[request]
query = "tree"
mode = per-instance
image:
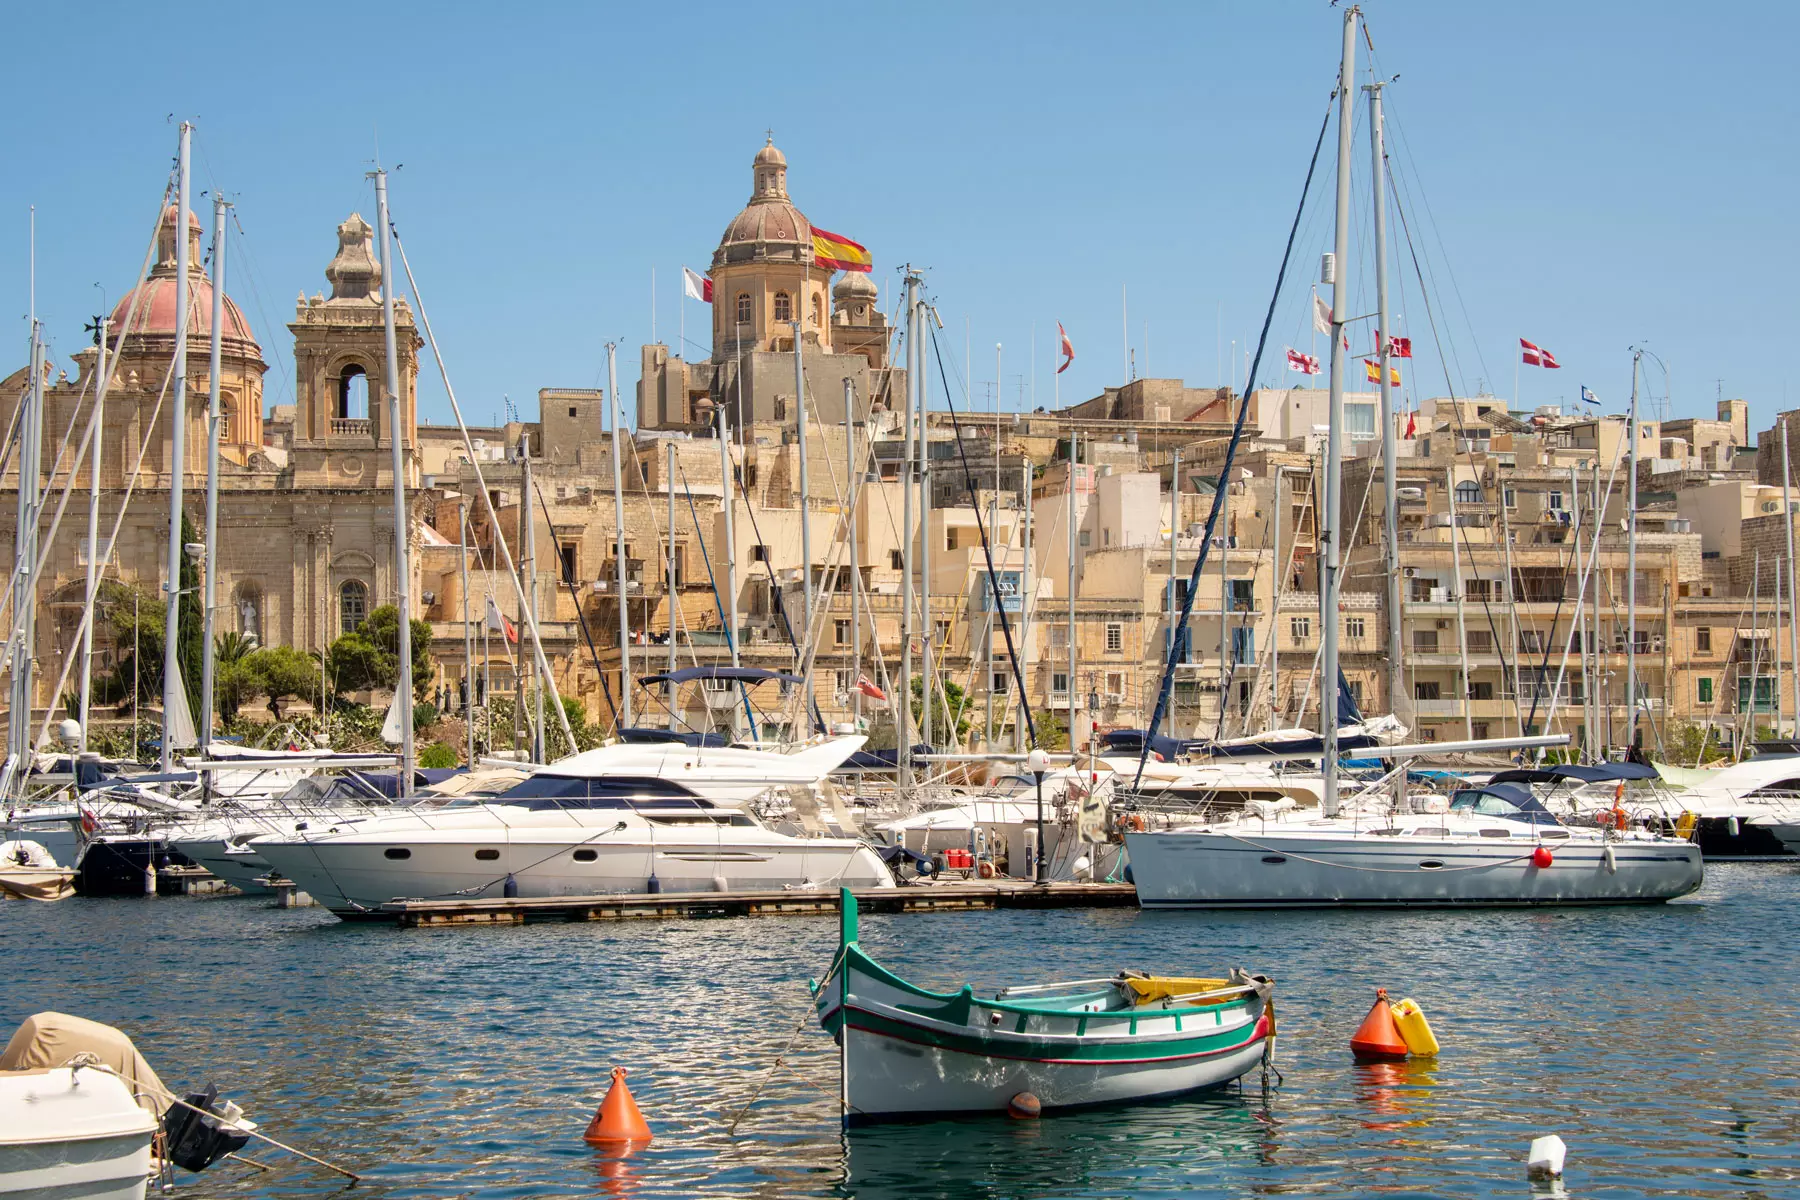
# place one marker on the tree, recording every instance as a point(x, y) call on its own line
point(949, 700)
point(134, 616)
point(283, 672)
point(358, 664)
point(383, 629)
point(236, 680)
point(439, 756)
point(190, 630)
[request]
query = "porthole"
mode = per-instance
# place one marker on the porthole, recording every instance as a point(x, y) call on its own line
point(397, 852)
point(487, 855)
point(1274, 860)
point(1430, 864)
point(585, 856)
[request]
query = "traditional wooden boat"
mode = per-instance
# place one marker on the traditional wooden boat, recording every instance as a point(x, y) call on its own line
point(908, 1052)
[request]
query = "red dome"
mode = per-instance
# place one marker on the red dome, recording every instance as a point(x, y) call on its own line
point(156, 311)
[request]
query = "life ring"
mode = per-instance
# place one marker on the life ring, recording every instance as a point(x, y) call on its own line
point(985, 869)
point(1613, 818)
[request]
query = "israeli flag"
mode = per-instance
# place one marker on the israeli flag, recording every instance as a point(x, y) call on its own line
point(1588, 397)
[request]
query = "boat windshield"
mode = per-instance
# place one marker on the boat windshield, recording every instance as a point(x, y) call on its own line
point(610, 791)
point(1502, 801)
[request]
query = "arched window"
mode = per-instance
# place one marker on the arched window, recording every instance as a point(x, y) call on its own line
point(743, 317)
point(1468, 492)
point(248, 602)
point(353, 605)
point(817, 311)
point(353, 394)
point(784, 307)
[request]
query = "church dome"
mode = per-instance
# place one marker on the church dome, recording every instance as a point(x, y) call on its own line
point(770, 225)
point(855, 285)
point(155, 296)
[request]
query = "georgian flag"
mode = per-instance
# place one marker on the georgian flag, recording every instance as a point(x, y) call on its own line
point(1065, 347)
point(698, 286)
point(1306, 364)
point(1537, 356)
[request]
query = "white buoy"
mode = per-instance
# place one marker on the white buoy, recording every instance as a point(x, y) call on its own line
point(1545, 1158)
point(1612, 861)
point(1082, 867)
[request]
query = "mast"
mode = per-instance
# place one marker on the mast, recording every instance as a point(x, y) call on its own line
point(208, 656)
point(1787, 508)
point(729, 508)
point(390, 382)
point(1027, 600)
point(903, 702)
point(1224, 603)
point(669, 486)
point(850, 491)
point(468, 696)
point(24, 585)
point(1334, 465)
point(612, 409)
point(177, 461)
point(94, 570)
point(1278, 572)
point(1631, 697)
point(1389, 449)
point(806, 559)
point(1462, 626)
point(528, 592)
point(1074, 453)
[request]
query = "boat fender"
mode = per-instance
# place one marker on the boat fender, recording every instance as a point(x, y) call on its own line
point(1414, 1029)
point(1541, 857)
point(1025, 1107)
point(653, 885)
point(510, 889)
point(1731, 826)
point(1377, 1039)
point(1684, 825)
point(1611, 860)
point(1544, 1160)
point(985, 869)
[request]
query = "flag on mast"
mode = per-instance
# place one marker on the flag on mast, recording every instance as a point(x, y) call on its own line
point(1373, 371)
point(1398, 347)
point(1412, 424)
point(1066, 348)
point(1306, 364)
point(1321, 314)
point(836, 252)
point(497, 622)
point(867, 687)
point(699, 287)
point(1587, 395)
point(1536, 356)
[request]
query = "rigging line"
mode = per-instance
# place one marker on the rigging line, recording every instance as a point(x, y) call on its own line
point(537, 645)
point(1165, 686)
point(580, 616)
point(245, 263)
point(718, 600)
point(987, 548)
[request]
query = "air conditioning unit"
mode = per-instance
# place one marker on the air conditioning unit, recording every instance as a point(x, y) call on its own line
point(1113, 697)
point(1410, 493)
point(1443, 623)
point(1656, 644)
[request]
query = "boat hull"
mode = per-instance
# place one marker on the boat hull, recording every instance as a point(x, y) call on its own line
point(1251, 870)
point(120, 867)
point(73, 1135)
point(240, 866)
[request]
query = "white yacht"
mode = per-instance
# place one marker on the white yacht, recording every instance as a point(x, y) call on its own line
point(1495, 846)
point(1735, 809)
point(623, 818)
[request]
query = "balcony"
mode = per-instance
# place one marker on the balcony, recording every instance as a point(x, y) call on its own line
point(352, 427)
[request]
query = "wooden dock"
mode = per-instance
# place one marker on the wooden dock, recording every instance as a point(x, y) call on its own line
point(951, 897)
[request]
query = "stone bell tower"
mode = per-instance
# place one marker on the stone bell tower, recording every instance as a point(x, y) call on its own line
point(339, 358)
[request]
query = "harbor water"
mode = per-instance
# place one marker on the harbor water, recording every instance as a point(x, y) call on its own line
point(1661, 1043)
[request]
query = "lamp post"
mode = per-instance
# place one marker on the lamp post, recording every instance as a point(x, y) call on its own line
point(1037, 762)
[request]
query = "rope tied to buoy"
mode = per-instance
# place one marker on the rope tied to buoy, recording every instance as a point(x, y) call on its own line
point(731, 1129)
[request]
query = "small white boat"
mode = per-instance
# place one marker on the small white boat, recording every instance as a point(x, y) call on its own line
point(30, 872)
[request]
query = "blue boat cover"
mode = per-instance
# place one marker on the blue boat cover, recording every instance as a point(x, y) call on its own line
point(644, 736)
point(1599, 773)
point(735, 674)
point(879, 760)
point(1517, 795)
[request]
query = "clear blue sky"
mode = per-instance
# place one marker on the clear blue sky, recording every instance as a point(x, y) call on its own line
point(1596, 174)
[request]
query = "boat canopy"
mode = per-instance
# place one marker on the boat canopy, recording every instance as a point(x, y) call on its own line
point(880, 760)
point(1504, 800)
point(642, 736)
point(51, 1039)
point(733, 674)
point(1131, 741)
point(1598, 773)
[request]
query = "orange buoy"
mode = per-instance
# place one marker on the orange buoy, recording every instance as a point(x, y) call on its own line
point(1024, 1106)
point(1378, 1039)
point(618, 1119)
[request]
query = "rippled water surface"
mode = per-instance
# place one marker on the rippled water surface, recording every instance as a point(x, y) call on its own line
point(1661, 1043)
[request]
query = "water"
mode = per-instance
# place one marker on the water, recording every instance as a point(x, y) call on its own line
point(1660, 1043)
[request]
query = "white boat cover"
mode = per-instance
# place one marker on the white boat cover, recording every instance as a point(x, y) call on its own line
point(51, 1039)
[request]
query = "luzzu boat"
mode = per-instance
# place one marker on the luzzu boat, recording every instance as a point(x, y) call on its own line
point(908, 1052)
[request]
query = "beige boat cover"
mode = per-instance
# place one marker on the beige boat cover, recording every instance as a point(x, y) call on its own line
point(51, 1039)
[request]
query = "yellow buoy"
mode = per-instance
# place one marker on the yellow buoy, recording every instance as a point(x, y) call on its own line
point(1415, 1030)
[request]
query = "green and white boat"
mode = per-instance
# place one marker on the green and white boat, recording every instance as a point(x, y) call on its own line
point(908, 1052)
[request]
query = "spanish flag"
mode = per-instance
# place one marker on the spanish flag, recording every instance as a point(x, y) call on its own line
point(1373, 370)
point(839, 253)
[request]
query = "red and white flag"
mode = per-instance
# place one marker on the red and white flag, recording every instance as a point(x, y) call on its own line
point(1066, 348)
point(1306, 364)
point(497, 622)
point(1412, 424)
point(90, 824)
point(867, 687)
point(1537, 356)
point(1398, 347)
point(698, 286)
point(1321, 315)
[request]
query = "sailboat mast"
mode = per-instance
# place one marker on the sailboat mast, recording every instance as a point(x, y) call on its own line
point(854, 473)
point(527, 594)
point(208, 655)
point(1389, 435)
point(1787, 509)
point(903, 701)
point(390, 383)
point(612, 408)
point(468, 696)
point(1334, 463)
point(669, 487)
point(1074, 456)
point(24, 585)
point(177, 461)
point(1631, 696)
point(94, 568)
point(806, 559)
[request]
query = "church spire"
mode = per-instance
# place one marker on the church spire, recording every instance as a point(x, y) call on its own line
point(769, 173)
point(354, 274)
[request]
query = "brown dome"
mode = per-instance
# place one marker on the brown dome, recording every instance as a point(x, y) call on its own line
point(769, 225)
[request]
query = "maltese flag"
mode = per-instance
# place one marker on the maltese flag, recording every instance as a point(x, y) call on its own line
point(497, 622)
point(1066, 348)
point(1537, 356)
point(698, 286)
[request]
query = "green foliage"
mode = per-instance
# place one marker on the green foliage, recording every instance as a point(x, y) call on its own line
point(951, 700)
point(190, 633)
point(424, 716)
point(439, 756)
point(383, 629)
point(1052, 731)
point(236, 680)
point(357, 664)
point(282, 672)
point(134, 615)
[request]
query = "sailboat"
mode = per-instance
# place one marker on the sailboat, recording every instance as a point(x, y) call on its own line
point(1495, 845)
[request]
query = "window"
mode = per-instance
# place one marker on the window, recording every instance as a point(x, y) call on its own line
point(1480, 641)
point(1481, 589)
point(1425, 690)
point(842, 681)
point(1059, 639)
point(1243, 595)
point(353, 394)
point(784, 307)
point(1425, 641)
point(568, 553)
point(942, 633)
point(678, 552)
point(1704, 689)
point(1059, 683)
point(1300, 627)
point(1115, 637)
point(353, 605)
point(1243, 647)
point(1115, 684)
point(1354, 627)
point(1703, 644)
point(781, 408)
point(1420, 588)
point(1468, 492)
point(743, 308)
point(1086, 537)
point(1000, 681)
point(949, 539)
point(1510, 496)
point(817, 311)
point(1360, 420)
point(759, 553)
point(1481, 689)
point(1428, 734)
point(572, 412)
point(1479, 729)
point(843, 632)
point(1553, 501)
point(896, 560)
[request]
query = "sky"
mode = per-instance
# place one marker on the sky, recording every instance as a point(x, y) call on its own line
point(1589, 176)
